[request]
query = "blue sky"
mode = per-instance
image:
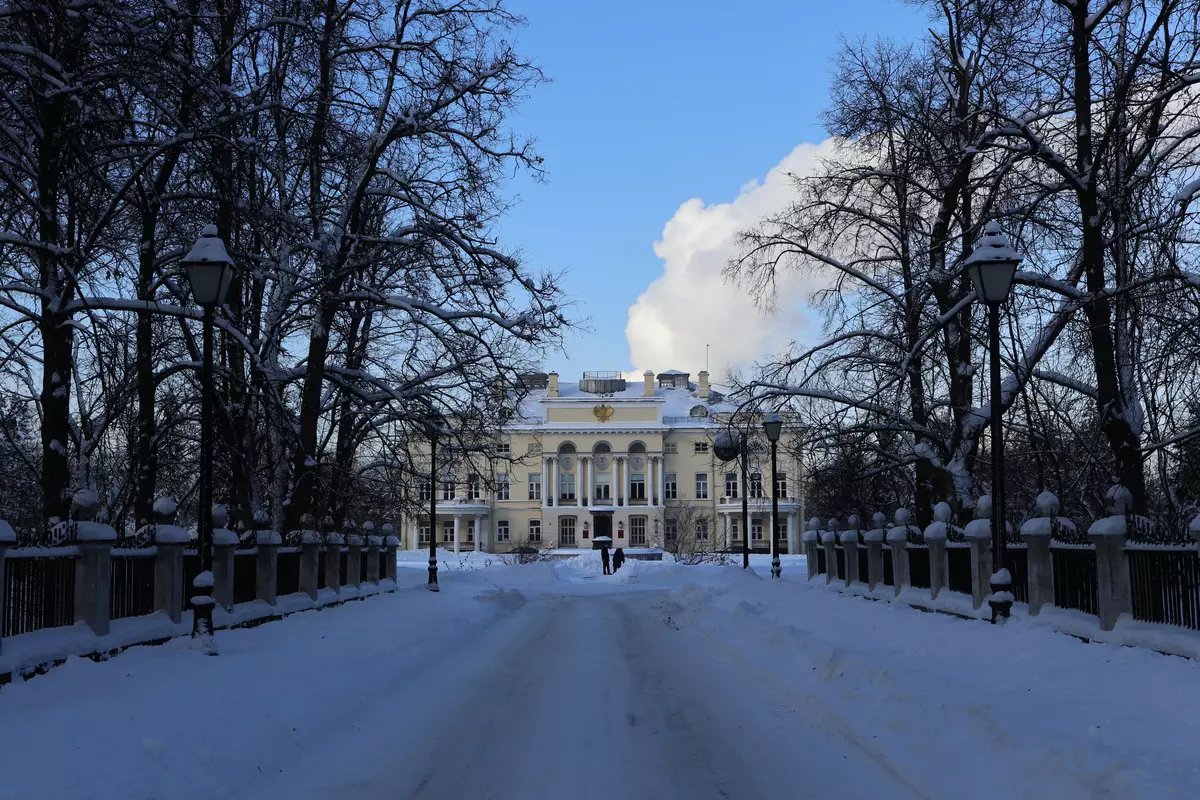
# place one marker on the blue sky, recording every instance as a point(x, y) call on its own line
point(653, 104)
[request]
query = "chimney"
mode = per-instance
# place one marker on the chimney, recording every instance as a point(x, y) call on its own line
point(552, 389)
point(703, 376)
point(649, 376)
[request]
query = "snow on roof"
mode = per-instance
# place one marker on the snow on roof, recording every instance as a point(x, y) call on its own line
point(675, 402)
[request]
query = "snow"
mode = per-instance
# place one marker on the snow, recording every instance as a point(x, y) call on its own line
point(1002, 576)
point(392, 541)
point(1109, 526)
point(223, 537)
point(94, 532)
point(267, 537)
point(171, 534)
point(203, 581)
point(978, 529)
point(7, 534)
point(698, 682)
point(165, 506)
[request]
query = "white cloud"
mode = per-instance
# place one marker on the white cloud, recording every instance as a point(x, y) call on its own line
point(691, 305)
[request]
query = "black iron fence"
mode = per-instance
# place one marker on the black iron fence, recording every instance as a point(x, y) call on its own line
point(1165, 582)
point(131, 589)
point(889, 571)
point(1016, 559)
point(287, 574)
point(39, 590)
point(821, 568)
point(918, 565)
point(245, 575)
point(839, 555)
point(1074, 570)
point(958, 568)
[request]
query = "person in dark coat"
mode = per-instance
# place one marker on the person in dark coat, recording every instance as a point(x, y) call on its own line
point(618, 559)
point(604, 559)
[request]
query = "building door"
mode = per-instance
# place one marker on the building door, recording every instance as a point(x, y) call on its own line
point(602, 526)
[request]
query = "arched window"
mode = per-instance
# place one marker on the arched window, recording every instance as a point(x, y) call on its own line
point(566, 447)
point(699, 411)
point(601, 447)
point(637, 447)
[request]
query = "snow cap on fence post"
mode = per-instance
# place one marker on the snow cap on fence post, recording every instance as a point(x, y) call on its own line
point(981, 526)
point(812, 530)
point(853, 525)
point(1037, 532)
point(1193, 529)
point(829, 535)
point(7, 534)
point(1047, 504)
point(1114, 595)
point(877, 533)
point(940, 527)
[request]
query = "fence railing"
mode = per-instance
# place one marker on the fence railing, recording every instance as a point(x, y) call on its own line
point(1122, 565)
point(38, 585)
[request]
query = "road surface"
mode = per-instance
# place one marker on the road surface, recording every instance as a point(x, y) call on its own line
point(577, 697)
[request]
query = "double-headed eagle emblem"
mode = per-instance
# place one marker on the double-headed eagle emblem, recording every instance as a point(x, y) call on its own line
point(603, 412)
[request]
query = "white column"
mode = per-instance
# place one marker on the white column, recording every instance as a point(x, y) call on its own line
point(627, 479)
point(457, 532)
point(728, 533)
point(662, 480)
point(480, 534)
point(581, 487)
point(414, 539)
point(545, 479)
point(616, 487)
point(792, 530)
point(553, 480)
point(651, 483)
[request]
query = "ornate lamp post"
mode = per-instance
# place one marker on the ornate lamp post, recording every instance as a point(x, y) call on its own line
point(772, 426)
point(209, 271)
point(992, 266)
point(432, 421)
point(728, 446)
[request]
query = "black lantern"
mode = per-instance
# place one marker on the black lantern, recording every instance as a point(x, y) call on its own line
point(992, 265)
point(209, 268)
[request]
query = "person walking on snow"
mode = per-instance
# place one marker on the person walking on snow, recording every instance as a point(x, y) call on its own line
point(604, 560)
point(618, 559)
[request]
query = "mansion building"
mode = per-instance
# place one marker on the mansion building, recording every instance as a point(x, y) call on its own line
point(631, 461)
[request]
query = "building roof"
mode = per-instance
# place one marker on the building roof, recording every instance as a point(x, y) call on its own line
point(674, 402)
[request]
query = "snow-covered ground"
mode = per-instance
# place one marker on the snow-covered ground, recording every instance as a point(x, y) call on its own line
point(663, 681)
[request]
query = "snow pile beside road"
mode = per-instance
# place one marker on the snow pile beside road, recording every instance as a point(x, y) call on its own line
point(957, 708)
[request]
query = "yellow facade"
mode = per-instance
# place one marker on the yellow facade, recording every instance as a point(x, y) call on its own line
point(636, 464)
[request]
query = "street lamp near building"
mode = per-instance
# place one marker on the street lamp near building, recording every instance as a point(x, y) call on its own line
point(991, 267)
point(209, 271)
point(432, 422)
point(772, 426)
point(728, 446)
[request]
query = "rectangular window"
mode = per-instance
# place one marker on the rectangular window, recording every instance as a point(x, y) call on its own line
point(423, 534)
point(474, 492)
point(731, 485)
point(637, 486)
point(566, 532)
point(734, 528)
point(637, 531)
point(671, 530)
point(603, 487)
point(701, 485)
point(448, 531)
point(470, 530)
point(535, 486)
point(781, 530)
point(535, 530)
point(503, 448)
point(756, 530)
point(700, 447)
point(448, 488)
point(670, 447)
point(781, 486)
point(534, 449)
point(502, 487)
point(502, 531)
point(702, 530)
point(566, 486)
point(424, 491)
point(756, 485)
point(670, 486)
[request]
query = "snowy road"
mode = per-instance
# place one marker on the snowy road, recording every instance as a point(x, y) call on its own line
point(589, 697)
point(547, 682)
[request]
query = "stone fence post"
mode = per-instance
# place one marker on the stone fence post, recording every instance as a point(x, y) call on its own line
point(979, 535)
point(8, 538)
point(266, 566)
point(1114, 596)
point(170, 540)
point(93, 569)
point(1037, 532)
point(225, 542)
point(811, 543)
point(849, 539)
point(897, 540)
point(874, 539)
point(1194, 529)
point(392, 543)
point(354, 549)
point(310, 556)
point(829, 542)
point(373, 544)
point(333, 561)
point(935, 538)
